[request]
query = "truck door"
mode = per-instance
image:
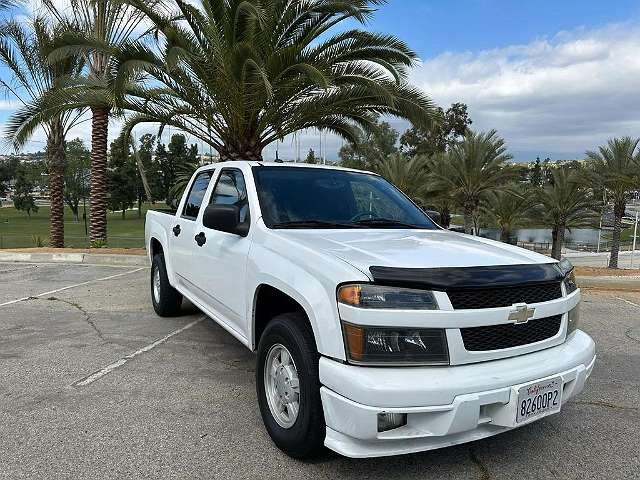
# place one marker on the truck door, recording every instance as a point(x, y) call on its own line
point(182, 233)
point(222, 259)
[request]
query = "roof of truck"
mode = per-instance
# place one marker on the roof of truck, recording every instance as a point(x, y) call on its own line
point(286, 164)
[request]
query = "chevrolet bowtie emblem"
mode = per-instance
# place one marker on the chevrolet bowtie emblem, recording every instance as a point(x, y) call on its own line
point(522, 313)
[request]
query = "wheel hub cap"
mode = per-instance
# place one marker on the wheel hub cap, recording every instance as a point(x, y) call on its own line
point(282, 386)
point(156, 285)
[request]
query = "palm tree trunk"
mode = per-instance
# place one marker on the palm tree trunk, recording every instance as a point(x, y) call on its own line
point(55, 152)
point(445, 217)
point(556, 245)
point(468, 218)
point(247, 149)
point(98, 210)
point(618, 213)
point(504, 235)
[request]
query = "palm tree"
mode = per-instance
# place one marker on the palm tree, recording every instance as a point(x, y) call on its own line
point(100, 28)
point(565, 203)
point(24, 50)
point(241, 75)
point(616, 168)
point(408, 174)
point(507, 209)
point(472, 167)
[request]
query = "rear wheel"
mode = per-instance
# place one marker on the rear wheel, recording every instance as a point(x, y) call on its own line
point(288, 386)
point(166, 299)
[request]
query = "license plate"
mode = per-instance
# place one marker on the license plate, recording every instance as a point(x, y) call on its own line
point(539, 399)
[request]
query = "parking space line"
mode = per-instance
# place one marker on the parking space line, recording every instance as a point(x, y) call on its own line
point(627, 301)
point(71, 286)
point(117, 364)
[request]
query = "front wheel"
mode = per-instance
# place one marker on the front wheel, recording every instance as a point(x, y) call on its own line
point(166, 299)
point(288, 386)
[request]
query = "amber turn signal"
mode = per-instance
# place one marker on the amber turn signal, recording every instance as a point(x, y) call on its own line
point(354, 336)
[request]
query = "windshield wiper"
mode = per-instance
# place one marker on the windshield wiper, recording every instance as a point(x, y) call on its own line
point(313, 224)
point(384, 222)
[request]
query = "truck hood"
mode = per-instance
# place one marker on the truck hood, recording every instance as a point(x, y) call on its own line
point(413, 249)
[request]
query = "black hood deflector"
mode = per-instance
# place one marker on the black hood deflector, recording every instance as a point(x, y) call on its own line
point(467, 277)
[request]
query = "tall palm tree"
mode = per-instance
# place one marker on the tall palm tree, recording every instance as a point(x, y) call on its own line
point(100, 28)
point(565, 203)
point(241, 75)
point(408, 174)
point(24, 51)
point(472, 167)
point(616, 168)
point(507, 209)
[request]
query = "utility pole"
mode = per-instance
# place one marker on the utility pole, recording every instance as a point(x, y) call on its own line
point(635, 234)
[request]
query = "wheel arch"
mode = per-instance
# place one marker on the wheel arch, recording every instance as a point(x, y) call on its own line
point(270, 301)
point(155, 247)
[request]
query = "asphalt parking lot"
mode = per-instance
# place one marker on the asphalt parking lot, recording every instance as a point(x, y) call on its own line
point(94, 385)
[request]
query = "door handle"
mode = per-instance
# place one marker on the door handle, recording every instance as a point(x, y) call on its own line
point(176, 230)
point(201, 239)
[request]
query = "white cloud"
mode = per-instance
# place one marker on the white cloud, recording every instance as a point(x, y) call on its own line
point(564, 94)
point(9, 105)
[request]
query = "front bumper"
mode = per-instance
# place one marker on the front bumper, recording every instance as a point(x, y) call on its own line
point(444, 405)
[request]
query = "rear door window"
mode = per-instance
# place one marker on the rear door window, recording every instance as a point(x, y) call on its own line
point(196, 195)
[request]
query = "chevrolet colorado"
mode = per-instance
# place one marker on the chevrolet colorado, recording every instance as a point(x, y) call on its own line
point(377, 332)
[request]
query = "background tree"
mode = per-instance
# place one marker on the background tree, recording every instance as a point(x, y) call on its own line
point(536, 177)
point(508, 209)
point(8, 168)
point(616, 167)
point(311, 157)
point(122, 177)
point(100, 27)
point(24, 49)
point(145, 171)
point(176, 163)
point(370, 148)
point(472, 167)
point(440, 136)
point(565, 203)
point(408, 174)
point(76, 176)
point(23, 199)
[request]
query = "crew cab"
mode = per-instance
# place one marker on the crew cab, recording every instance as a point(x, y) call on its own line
point(377, 332)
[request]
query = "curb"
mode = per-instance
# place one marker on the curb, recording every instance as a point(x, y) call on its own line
point(83, 258)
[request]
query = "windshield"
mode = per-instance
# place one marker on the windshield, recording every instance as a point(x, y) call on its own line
point(298, 197)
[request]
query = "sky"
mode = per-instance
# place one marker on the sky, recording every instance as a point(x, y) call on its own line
point(555, 78)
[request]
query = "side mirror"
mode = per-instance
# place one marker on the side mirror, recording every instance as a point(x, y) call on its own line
point(225, 218)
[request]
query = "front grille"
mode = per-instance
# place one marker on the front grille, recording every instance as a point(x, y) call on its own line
point(503, 296)
point(497, 337)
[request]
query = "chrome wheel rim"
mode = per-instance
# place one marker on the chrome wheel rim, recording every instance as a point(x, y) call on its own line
point(282, 386)
point(156, 285)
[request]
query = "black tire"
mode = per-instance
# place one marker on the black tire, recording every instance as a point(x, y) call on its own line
point(170, 301)
point(305, 438)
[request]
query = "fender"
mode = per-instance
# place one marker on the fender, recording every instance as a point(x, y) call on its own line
point(309, 281)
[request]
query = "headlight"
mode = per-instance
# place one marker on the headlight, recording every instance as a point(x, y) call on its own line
point(567, 270)
point(574, 319)
point(395, 346)
point(377, 296)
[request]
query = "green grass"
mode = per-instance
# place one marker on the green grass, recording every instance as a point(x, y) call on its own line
point(17, 230)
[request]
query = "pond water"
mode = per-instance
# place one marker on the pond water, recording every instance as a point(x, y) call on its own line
point(543, 235)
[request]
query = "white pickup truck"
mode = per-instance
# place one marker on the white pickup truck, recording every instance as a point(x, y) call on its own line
point(377, 332)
